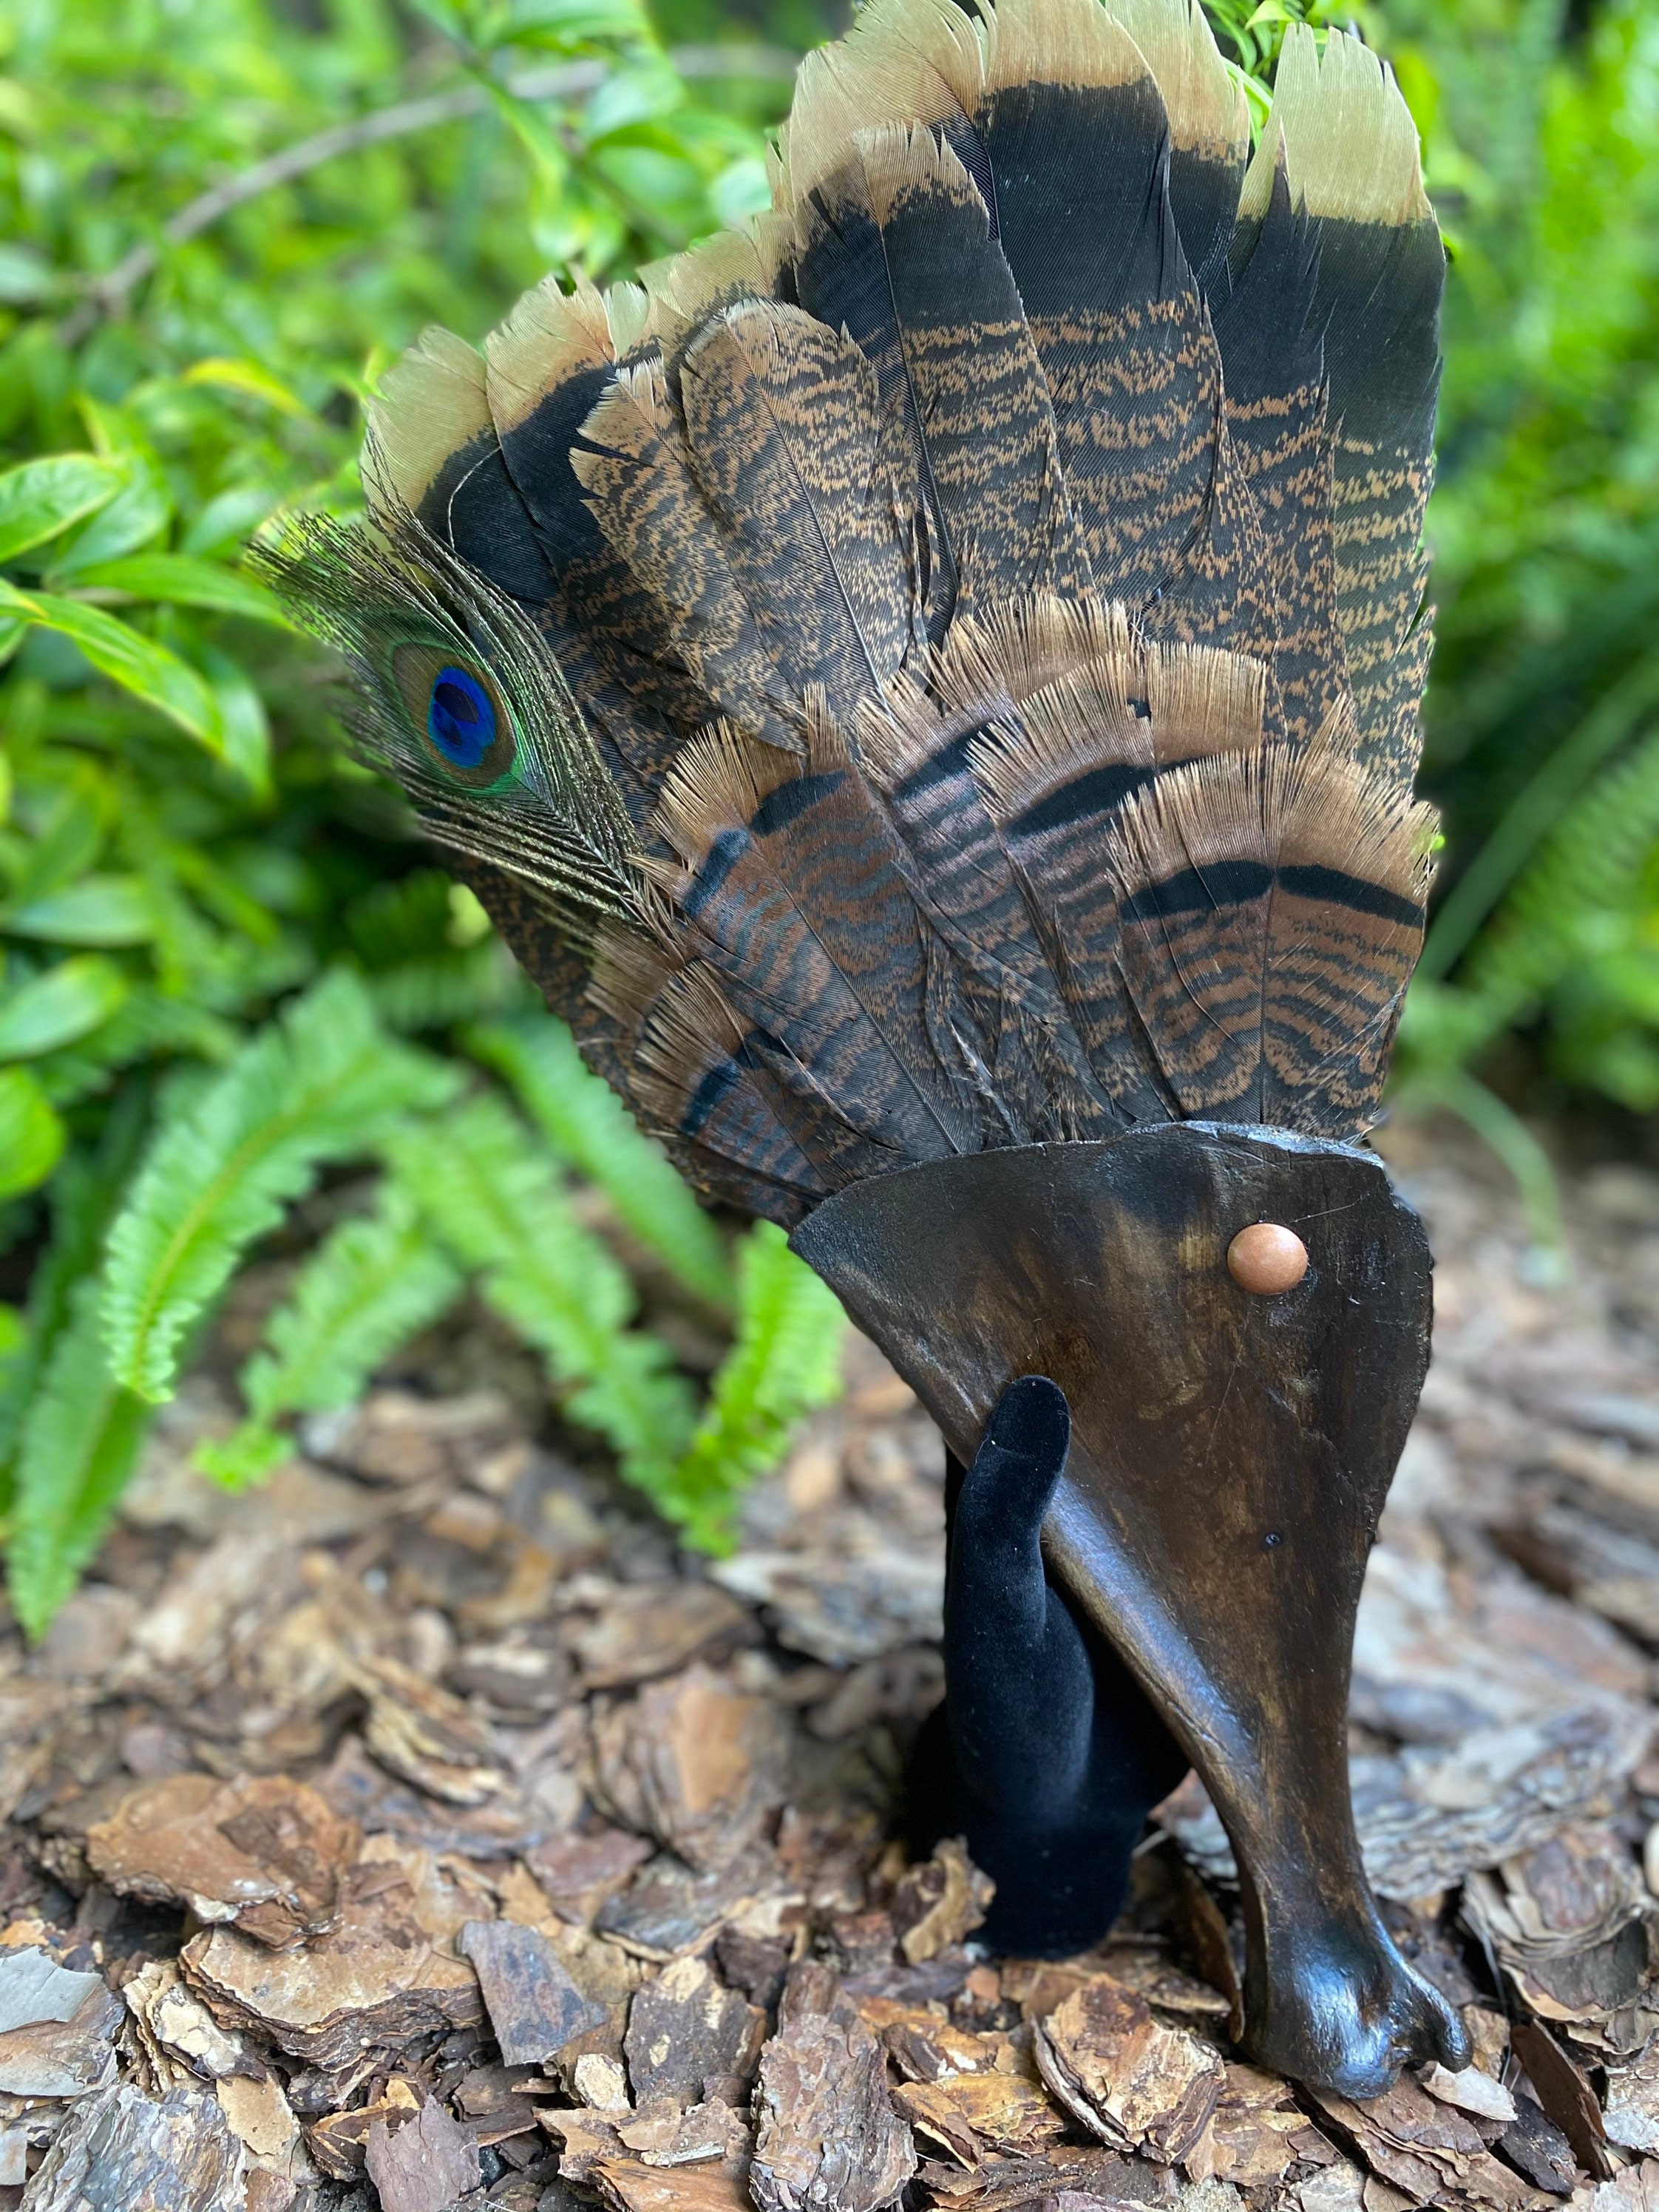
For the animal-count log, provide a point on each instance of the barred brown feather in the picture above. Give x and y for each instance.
(896, 248)
(790, 893)
(784, 422)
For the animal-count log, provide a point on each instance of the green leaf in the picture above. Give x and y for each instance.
(249, 379)
(106, 910)
(574, 21)
(242, 718)
(85, 1193)
(151, 1025)
(368, 1288)
(138, 513)
(487, 1189)
(67, 842)
(42, 497)
(323, 1083)
(31, 1135)
(741, 190)
(183, 582)
(786, 1360)
(59, 1004)
(456, 985)
(79, 1444)
(137, 664)
(229, 518)
(25, 278)
(533, 131)
(587, 1125)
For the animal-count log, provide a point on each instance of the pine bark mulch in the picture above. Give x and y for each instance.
(421, 1831)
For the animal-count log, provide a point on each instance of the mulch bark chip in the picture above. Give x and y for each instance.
(264, 1853)
(1135, 2083)
(826, 2131)
(534, 2006)
(419, 1830)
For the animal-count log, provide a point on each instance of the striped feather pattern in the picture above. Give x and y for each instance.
(963, 877)
(896, 248)
(1272, 910)
(783, 418)
(1056, 779)
(790, 892)
(1351, 154)
(940, 668)
(546, 368)
(697, 1081)
(635, 467)
(1284, 456)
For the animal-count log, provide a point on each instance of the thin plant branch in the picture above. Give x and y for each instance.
(108, 294)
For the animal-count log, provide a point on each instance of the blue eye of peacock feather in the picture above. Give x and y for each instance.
(460, 718)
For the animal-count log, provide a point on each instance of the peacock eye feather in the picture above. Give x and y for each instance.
(460, 719)
(457, 710)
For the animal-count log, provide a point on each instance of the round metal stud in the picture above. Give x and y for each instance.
(1266, 1259)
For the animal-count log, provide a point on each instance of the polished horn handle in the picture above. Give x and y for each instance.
(1235, 1430)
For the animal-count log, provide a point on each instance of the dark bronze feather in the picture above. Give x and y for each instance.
(634, 466)
(1272, 910)
(783, 421)
(1350, 148)
(788, 890)
(897, 249)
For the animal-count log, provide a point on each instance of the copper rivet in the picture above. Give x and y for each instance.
(1266, 1259)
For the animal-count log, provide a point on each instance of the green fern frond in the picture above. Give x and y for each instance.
(786, 1360)
(323, 1083)
(368, 1287)
(488, 1188)
(1589, 864)
(403, 920)
(587, 1126)
(1551, 933)
(79, 1443)
(461, 983)
(85, 1195)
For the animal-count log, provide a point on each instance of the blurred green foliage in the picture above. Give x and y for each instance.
(229, 969)
(220, 220)
(1541, 129)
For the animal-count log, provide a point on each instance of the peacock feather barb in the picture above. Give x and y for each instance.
(928, 687)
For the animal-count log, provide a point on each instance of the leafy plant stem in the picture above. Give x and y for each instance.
(1502, 1129)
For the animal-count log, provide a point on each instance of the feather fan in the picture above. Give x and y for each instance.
(939, 670)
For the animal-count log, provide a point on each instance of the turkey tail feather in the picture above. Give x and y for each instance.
(1351, 152)
(896, 250)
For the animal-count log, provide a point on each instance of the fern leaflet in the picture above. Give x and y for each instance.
(1589, 864)
(588, 1127)
(85, 1195)
(490, 1191)
(785, 1361)
(323, 1083)
(79, 1443)
(368, 1288)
